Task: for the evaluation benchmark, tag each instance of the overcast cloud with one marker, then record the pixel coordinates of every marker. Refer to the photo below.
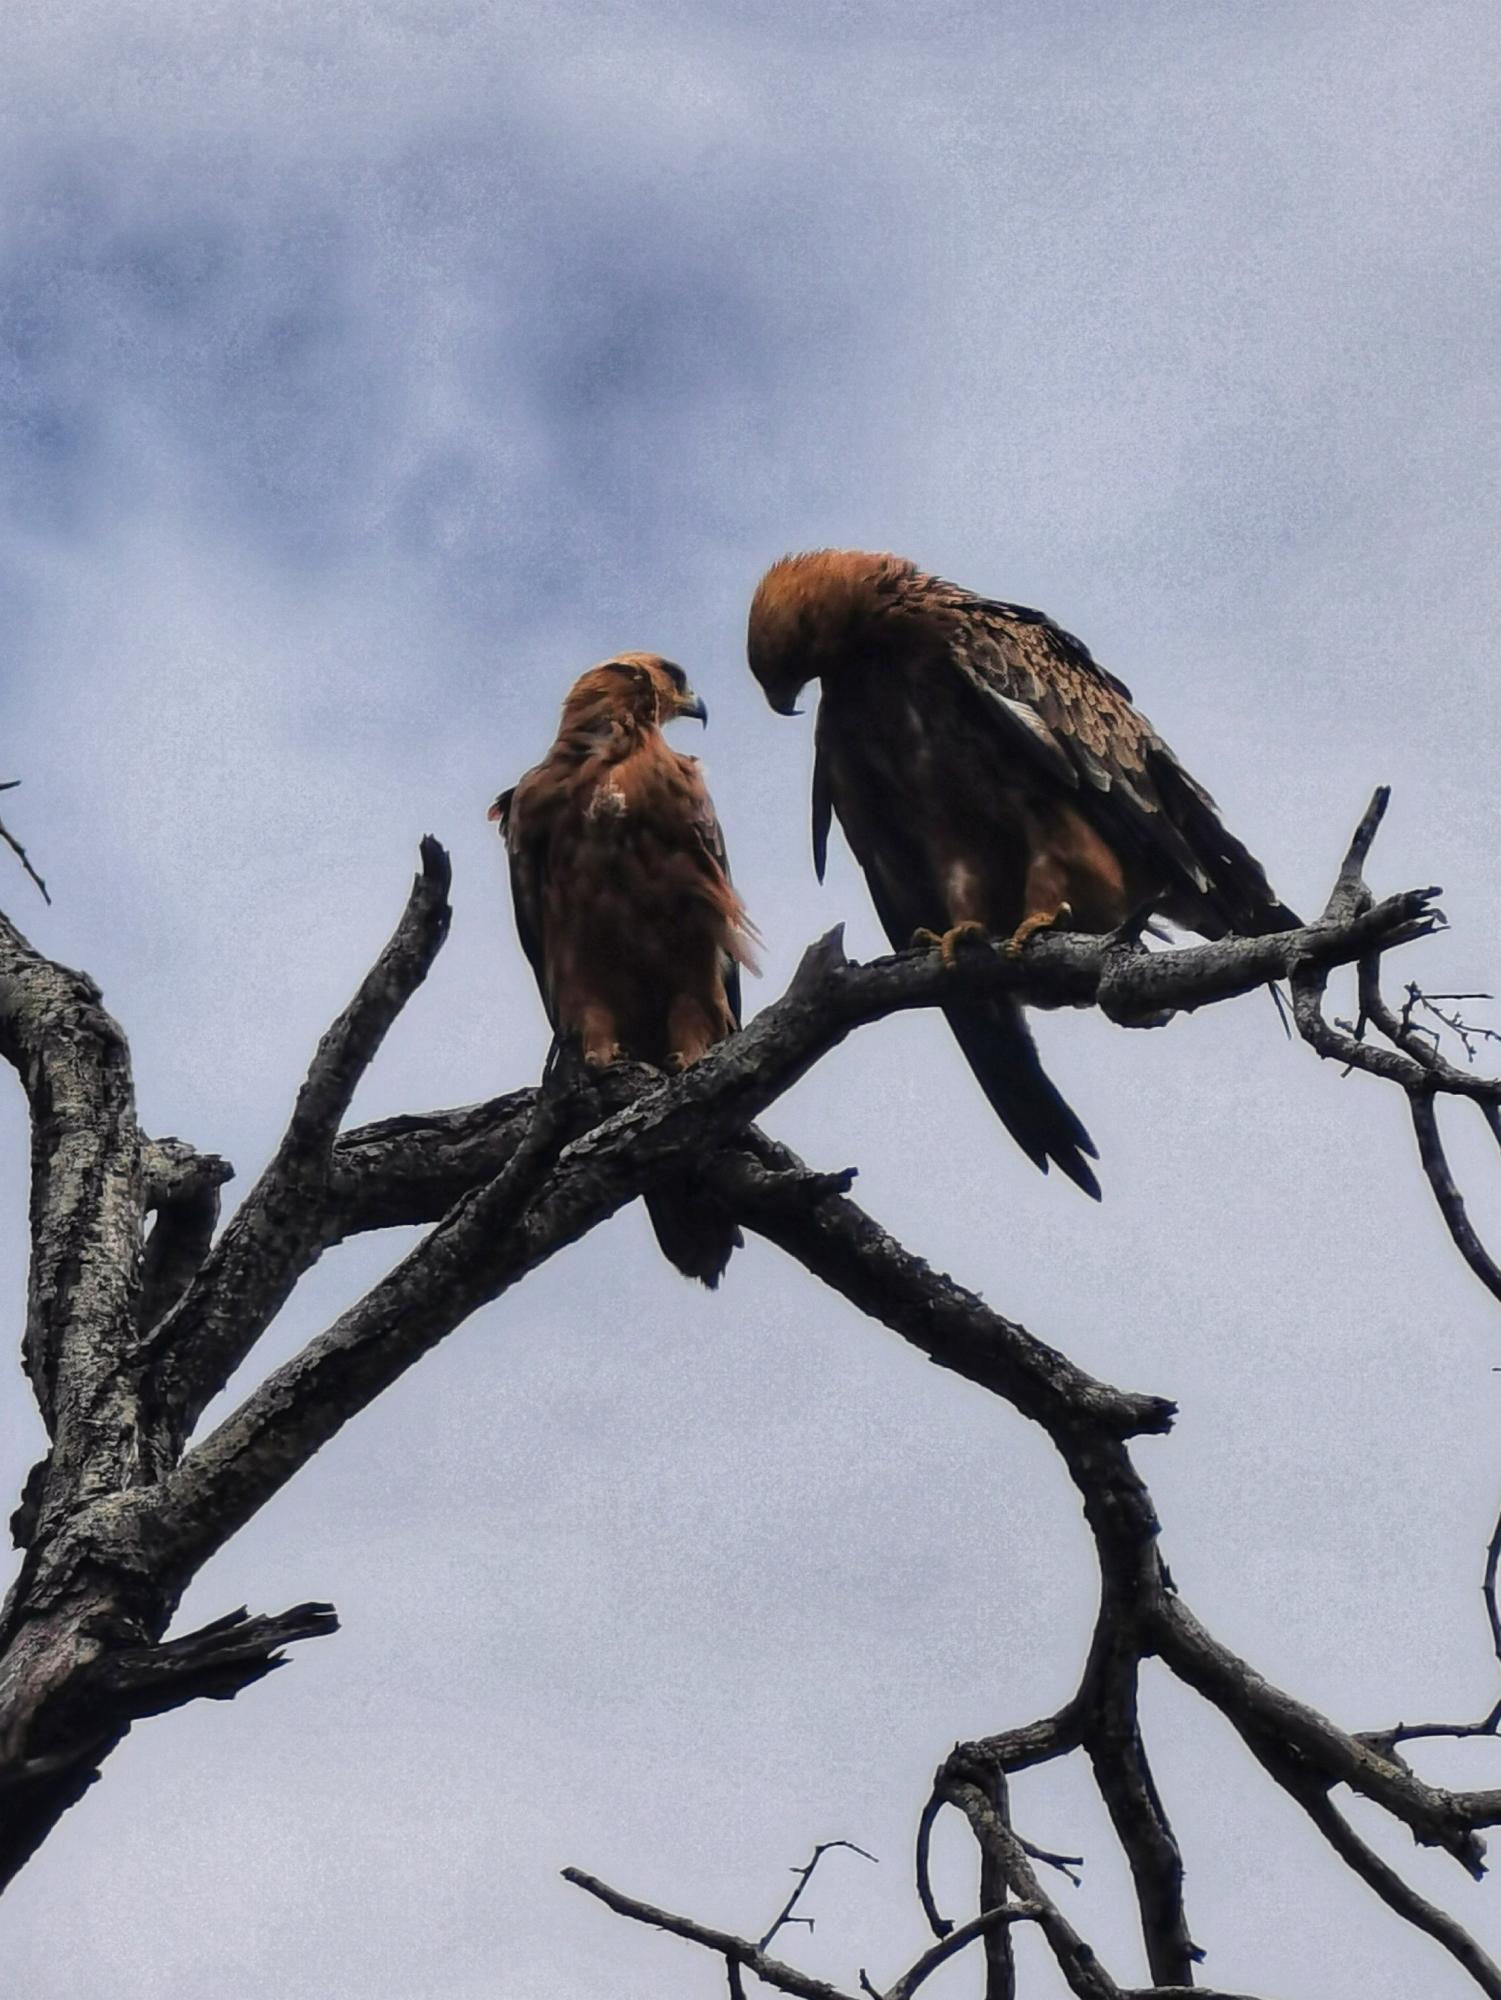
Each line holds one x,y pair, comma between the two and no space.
365,373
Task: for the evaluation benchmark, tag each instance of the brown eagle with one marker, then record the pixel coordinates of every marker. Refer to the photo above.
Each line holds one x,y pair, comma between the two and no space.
624,903
992,780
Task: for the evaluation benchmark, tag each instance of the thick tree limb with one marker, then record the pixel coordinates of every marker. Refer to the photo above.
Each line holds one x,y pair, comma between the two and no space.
1083,1973
1259,1711
94,1589
75,1719
182,1190
1400,1897
1446,1193
1118,1758
807,1215
74,1065
403,1171
1313,1795
218,1661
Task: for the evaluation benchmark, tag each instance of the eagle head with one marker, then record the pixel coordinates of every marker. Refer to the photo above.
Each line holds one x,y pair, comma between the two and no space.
806,614
642,687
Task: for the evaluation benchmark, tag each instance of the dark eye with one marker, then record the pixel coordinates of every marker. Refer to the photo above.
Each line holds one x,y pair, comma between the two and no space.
676,675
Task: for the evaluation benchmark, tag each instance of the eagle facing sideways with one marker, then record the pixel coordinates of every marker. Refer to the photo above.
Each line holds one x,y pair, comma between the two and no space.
624,903
993,780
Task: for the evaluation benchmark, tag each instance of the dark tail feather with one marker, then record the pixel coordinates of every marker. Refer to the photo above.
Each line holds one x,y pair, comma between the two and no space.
1240,896
695,1233
999,1048
1274,917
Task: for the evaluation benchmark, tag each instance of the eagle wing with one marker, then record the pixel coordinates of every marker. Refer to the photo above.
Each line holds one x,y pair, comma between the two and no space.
693,1229
528,865
711,835
1075,723
856,755
823,797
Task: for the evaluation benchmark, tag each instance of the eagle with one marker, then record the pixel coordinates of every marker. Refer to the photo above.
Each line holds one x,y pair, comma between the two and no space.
993,780
625,907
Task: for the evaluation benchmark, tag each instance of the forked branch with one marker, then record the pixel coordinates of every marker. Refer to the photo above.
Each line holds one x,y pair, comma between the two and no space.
1388,1043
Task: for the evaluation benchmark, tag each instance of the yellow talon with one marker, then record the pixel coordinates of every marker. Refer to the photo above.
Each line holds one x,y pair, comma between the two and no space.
1040,920
949,941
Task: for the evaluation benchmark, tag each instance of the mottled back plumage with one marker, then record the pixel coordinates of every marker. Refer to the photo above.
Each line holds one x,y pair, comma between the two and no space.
989,774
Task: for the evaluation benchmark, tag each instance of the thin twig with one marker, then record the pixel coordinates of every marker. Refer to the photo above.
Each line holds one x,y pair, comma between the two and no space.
1066,1864
1468,1035
741,1950
805,1876
17,849
1386,1740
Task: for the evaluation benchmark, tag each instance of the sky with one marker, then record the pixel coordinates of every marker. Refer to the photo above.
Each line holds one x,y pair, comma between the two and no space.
368,372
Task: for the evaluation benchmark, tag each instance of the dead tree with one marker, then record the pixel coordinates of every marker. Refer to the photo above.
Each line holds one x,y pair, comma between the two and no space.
140,1309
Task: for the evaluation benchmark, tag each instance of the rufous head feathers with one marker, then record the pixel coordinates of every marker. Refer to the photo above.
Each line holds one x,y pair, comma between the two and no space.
642,688
806,611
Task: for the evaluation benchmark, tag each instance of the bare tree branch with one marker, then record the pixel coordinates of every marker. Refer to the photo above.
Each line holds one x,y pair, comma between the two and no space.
94,1586
1385,1741
218,1662
1313,1795
1450,1201
286,1221
1118,1757
989,1925
74,1065
1411,1057
1083,1973
737,1950
1259,1711
16,848
350,1045
182,1190
772,1193
995,1894
805,1876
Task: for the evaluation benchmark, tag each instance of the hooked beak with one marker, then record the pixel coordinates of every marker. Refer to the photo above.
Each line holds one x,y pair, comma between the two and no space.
693,704
787,707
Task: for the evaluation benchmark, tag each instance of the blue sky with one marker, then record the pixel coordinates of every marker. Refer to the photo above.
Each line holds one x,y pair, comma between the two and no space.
367,372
